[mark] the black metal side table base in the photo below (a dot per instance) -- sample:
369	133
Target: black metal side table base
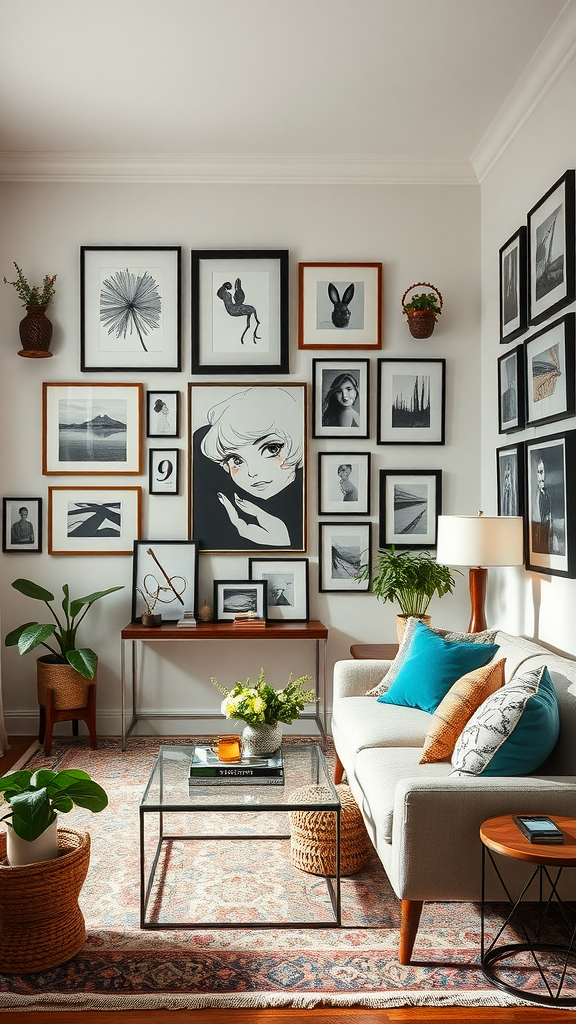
499	953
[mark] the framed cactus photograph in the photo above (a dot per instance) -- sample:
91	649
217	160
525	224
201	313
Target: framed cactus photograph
340	305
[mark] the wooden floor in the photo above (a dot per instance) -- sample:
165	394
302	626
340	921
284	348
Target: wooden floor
446	1015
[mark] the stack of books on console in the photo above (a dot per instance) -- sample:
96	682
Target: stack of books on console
207	770
248	619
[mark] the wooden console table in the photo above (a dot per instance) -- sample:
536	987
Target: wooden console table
378	652
135	633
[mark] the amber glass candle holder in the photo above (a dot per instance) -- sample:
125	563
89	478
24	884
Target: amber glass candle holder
228	748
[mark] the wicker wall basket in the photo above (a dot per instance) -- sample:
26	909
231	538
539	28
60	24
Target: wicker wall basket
41	924
421	321
313	834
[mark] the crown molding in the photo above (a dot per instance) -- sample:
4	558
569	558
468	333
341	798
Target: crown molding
331	169
547	65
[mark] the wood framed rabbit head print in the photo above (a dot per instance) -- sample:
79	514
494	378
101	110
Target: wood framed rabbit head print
340	305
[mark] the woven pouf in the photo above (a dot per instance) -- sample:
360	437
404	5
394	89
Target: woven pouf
313	834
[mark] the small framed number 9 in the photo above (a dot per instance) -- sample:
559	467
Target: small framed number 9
163	471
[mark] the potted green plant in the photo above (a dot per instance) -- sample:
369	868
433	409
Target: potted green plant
422	310
35	329
264	709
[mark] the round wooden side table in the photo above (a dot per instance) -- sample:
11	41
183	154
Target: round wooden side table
502	836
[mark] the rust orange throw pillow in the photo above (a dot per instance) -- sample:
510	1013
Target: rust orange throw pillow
457	707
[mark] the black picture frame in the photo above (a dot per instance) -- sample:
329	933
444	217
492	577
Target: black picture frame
550	504
549	372
551	256
163	420
21	526
344	549
224	340
513	266
510	479
162	564
344	483
288	587
410	503
163	471
511	391
232	597
341	390
411	401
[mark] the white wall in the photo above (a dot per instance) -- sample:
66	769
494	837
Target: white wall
420	233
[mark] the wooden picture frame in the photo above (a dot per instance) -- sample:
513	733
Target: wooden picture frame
339	305
550	504
93	520
411	401
165	570
344	483
410	503
343	550
551	256
232	597
22	526
511	391
90	429
163	470
287	579
341	398
513	287
549	372
162	414
510	479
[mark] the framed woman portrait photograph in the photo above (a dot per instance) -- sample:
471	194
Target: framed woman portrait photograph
410	503
510	479
239	597
550	500
344	483
551	240
511	391
248	466
340	398
340	305
91	428
550	372
162	414
344	550
287	586
22	525
411	401
513	287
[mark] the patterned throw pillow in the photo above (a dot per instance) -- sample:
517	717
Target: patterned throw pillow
459	704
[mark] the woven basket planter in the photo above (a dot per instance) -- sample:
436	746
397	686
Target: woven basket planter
70	688
35	333
41	924
421	322
401	621
313	834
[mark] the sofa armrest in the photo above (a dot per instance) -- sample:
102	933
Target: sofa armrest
354	678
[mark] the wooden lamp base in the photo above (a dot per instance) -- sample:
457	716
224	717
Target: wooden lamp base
478	578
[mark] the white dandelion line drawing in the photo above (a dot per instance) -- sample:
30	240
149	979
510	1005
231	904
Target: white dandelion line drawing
130	301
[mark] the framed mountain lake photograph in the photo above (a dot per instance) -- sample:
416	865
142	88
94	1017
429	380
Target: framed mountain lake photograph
91	428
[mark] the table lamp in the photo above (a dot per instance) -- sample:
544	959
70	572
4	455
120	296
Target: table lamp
479	541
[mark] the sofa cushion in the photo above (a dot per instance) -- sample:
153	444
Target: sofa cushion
361	722
431	667
513	731
459	704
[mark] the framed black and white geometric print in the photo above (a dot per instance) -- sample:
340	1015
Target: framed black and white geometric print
551	239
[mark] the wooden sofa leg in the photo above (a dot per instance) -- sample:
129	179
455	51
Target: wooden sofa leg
338	771
411	911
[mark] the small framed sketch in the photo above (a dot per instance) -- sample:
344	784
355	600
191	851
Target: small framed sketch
340	305
344	551
163	471
344	483
340	398
93	520
410	503
231	597
287	586
22	519
550	372
550	505
162	414
164	578
510	479
513	287
511	391
91	428
240	311
411	401
130	308
552	283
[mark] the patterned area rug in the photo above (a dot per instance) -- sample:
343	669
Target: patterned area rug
122	966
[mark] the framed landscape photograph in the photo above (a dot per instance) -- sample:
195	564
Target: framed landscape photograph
344	483
340	305
248	466
513	287
551	250
410	503
233	597
163	471
240	311
550	487
550	372
162	414
511	391
411	401
340	398
91	428
510	479
164	578
344	550
287	586
130	308
22	525
93	520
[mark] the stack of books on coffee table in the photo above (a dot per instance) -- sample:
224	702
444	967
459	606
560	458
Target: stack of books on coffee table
207	770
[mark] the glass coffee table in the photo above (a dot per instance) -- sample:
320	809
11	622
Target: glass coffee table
218	856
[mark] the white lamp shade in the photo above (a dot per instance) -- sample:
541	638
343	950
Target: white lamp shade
480	540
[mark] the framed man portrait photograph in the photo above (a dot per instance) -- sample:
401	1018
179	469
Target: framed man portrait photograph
22	530
551	487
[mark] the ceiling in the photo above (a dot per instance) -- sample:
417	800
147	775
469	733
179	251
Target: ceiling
329	81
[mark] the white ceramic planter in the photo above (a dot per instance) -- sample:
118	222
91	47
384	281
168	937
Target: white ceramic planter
23	851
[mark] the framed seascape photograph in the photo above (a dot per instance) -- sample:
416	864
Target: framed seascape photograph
91	428
510	479
163	471
550	486
551	251
550	372
93	520
287	586
340	305
411	401
513	287
511	391
340	398
344	550
22	530
162	414
410	503
130	308
232	597
164	578
248	466
344	483
240	311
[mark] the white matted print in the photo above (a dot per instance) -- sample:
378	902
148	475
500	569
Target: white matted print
93	520
239	597
163	471
340	305
411	401
344	552
410	503
164	575
287	586
91	428
550	372
344	483
162	414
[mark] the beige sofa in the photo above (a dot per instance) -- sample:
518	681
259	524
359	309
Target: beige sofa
423	823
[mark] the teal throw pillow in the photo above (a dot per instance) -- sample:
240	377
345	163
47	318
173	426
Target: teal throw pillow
513	731
431	667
